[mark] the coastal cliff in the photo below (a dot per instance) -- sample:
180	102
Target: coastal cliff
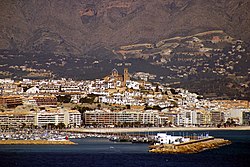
189	147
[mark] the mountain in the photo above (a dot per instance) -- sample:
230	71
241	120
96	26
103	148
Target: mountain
81	27
199	45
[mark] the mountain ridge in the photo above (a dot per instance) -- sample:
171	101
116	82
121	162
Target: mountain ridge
87	24
203	46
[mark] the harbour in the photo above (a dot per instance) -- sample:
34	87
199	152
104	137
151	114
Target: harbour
98	151
157	142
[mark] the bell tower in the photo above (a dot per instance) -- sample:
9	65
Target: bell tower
125	76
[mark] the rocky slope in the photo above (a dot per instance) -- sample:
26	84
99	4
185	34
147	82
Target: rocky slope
88	27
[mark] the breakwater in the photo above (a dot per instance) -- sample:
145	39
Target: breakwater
36	142
193	146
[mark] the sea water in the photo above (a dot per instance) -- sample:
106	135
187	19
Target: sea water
102	152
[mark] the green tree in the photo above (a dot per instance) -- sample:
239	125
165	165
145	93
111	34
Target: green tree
51	126
99	106
63	99
23	125
61	125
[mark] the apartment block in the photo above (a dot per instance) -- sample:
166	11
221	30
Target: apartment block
10	101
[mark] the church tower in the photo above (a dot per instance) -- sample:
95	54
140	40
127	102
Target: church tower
125	76
114	73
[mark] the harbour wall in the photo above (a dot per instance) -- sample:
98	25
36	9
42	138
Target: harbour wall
189	147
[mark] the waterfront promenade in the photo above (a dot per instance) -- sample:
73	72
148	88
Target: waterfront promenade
152	129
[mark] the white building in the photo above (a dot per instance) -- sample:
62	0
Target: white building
187	118
237	115
68	117
163	138
132	85
33	90
41	118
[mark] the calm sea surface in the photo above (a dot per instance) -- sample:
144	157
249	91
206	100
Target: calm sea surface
101	152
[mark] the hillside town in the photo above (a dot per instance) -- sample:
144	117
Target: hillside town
115	100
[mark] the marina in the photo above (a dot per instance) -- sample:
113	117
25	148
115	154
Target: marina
183	142
36	142
37	136
98	151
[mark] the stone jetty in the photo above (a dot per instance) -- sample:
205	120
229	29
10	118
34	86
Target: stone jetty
36	142
193	146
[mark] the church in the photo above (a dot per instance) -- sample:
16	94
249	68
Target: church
116	80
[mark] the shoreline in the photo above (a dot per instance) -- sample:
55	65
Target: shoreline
152	129
35	142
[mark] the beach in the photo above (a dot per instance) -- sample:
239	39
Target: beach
153	129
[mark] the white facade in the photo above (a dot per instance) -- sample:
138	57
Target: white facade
163	138
18	119
70	88
72	118
187	118
237	114
33	90
132	85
